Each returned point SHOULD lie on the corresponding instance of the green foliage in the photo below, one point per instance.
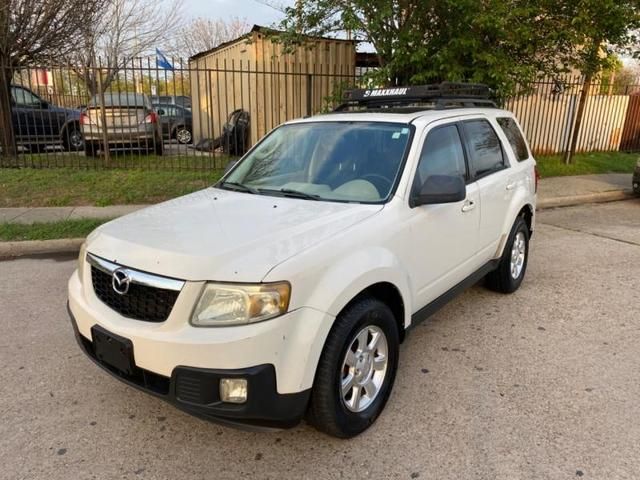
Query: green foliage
(498, 42)
(588, 163)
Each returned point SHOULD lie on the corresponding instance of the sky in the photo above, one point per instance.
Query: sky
(251, 10)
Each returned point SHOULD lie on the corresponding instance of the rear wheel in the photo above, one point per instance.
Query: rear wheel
(158, 147)
(91, 149)
(72, 139)
(183, 135)
(513, 264)
(357, 369)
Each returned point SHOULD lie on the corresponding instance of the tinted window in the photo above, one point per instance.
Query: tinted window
(442, 154)
(512, 131)
(484, 147)
(24, 98)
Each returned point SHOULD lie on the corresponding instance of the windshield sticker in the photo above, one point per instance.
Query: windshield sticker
(405, 131)
(396, 135)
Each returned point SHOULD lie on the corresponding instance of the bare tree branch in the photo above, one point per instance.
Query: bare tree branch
(202, 34)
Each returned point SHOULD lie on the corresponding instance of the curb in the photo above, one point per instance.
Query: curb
(602, 197)
(39, 247)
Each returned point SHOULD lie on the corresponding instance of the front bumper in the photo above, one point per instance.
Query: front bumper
(196, 391)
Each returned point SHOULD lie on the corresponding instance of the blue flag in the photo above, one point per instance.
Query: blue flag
(162, 61)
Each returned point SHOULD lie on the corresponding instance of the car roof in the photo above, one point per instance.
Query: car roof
(409, 116)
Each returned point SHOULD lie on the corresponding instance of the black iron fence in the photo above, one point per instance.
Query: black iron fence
(197, 114)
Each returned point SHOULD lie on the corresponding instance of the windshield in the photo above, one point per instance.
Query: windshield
(338, 161)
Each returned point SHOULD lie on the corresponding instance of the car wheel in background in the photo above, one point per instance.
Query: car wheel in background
(72, 139)
(357, 369)
(91, 149)
(158, 147)
(183, 135)
(513, 264)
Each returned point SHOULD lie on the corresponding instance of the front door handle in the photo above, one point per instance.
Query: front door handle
(468, 206)
(511, 186)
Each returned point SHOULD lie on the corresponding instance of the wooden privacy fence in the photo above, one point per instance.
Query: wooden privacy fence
(547, 113)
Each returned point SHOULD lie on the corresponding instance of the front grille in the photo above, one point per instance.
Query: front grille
(141, 302)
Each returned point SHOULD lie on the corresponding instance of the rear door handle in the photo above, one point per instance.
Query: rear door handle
(468, 206)
(511, 186)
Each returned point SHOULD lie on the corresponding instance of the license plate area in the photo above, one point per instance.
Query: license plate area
(113, 350)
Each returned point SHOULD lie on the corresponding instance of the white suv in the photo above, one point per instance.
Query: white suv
(287, 288)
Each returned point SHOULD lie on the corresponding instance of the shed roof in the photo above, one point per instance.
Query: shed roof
(259, 29)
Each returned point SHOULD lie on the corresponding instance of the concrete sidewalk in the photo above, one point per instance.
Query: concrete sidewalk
(552, 192)
(54, 214)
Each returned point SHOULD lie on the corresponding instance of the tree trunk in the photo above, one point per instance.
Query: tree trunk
(571, 151)
(7, 137)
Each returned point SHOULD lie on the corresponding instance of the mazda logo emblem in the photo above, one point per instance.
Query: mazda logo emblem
(120, 281)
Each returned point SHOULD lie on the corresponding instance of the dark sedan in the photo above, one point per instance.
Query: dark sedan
(38, 124)
(176, 121)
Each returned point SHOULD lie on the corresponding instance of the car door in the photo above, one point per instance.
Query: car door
(444, 236)
(490, 168)
(34, 120)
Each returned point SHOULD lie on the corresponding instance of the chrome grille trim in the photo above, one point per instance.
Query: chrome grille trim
(136, 276)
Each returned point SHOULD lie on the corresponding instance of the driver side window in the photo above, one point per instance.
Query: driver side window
(442, 154)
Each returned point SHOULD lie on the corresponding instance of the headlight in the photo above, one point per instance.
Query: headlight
(82, 260)
(223, 304)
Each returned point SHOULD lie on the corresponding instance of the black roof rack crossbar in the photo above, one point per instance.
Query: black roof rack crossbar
(441, 96)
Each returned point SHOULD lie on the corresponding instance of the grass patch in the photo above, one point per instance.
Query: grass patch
(48, 231)
(57, 187)
(587, 163)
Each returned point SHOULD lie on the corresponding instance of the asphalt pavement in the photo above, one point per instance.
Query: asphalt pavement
(541, 384)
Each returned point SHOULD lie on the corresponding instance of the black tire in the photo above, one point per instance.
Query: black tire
(158, 147)
(72, 139)
(91, 149)
(501, 279)
(37, 148)
(327, 409)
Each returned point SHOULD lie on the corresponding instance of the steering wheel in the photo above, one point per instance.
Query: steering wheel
(377, 179)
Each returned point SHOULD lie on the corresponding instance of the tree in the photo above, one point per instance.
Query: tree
(118, 33)
(498, 42)
(596, 29)
(30, 32)
(203, 34)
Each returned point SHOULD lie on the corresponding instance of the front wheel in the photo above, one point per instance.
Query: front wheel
(357, 369)
(183, 135)
(513, 264)
(72, 139)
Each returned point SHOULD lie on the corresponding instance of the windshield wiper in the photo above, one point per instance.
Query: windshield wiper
(298, 194)
(240, 186)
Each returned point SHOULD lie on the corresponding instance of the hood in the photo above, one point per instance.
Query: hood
(222, 235)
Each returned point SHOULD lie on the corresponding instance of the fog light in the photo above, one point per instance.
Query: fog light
(233, 390)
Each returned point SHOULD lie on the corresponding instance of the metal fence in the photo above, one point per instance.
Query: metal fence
(201, 116)
(197, 119)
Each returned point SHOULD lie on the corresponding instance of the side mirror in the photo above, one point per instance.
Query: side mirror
(160, 111)
(44, 105)
(440, 189)
(230, 165)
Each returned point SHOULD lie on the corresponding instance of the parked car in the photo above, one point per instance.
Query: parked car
(180, 100)
(288, 286)
(636, 178)
(38, 124)
(131, 123)
(176, 122)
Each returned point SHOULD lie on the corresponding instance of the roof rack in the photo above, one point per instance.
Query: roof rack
(439, 96)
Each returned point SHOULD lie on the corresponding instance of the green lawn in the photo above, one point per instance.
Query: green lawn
(587, 163)
(47, 231)
(39, 187)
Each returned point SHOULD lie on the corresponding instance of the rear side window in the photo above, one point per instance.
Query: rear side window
(512, 131)
(484, 147)
(442, 154)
